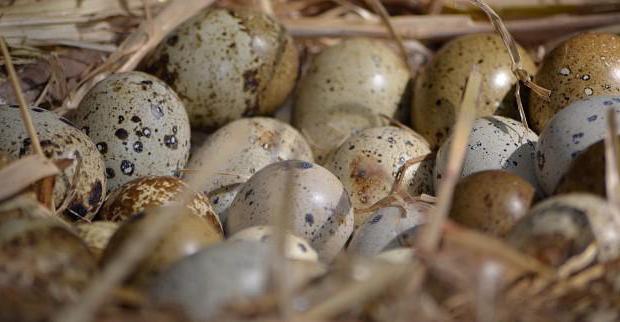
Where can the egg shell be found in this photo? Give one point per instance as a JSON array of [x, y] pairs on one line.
[[318, 205], [138, 124], [237, 150], [563, 226], [227, 63], [149, 192], [491, 201], [568, 133], [187, 235], [297, 248], [367, 164], [96, 234], [586, 173], [495, 143], [205, 283], [383, 226], [440, 86], [43, 256], [345, 89], [59, 140], [585, 65]]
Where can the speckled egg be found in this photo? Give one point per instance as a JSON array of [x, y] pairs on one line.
[[585, 65], [586, 173], [345, 89], [237, 150], [318, 204], [561, 227], [297, 248], [495, 143], [149, 192], [439, 88], [59, 140], [384, 225], [138, 124], [568, 133], [491, 201], [96, 234], [367, 164], [188, 235], [227, 63]]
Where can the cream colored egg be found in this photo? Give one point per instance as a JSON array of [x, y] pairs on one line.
[[297, 248]]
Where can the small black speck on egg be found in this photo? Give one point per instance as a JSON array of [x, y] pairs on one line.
[[121, 134], [127, 167]]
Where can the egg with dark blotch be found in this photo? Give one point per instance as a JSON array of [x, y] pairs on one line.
[[318, 205], [96, 234], [149, 192], [491, 201], [296, 247], [241, 148], [368, 162], [138, 124], [187, 235], [227, 63], [586, 173], [43, 257], [347, 88], [59, 140], [568, 133], [585, 65], [495, 143], [440, 86], [562, 227]]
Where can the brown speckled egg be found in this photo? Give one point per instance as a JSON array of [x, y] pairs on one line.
[[345, 89], [318, 204], [42, 256], [186, 236], [138, 124], [439, 88], [584, 65], [367, 164], [561, 227], [148, 192], [227, 63], [491, 201], [96, 234], [297, 248], [241, 148], [59, 140]]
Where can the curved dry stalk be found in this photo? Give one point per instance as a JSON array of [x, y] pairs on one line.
[[19, 174], [612, 161], [71, 191]]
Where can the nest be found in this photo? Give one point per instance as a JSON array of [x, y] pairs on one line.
[[61, 48]]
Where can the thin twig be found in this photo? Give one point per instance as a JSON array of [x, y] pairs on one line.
[[612, 161]]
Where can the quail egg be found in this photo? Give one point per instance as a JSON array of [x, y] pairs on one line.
[[367, 164], [568, 133], [186, 236], [495, 143], [227, 63], [59, 140], [243, 147], [148, 192], [585, 65], [297, 248], [491, 201], [138, 124], [96, 234], [586, 173], [561, 227], [440, 87], [318, 205], [345, 89]]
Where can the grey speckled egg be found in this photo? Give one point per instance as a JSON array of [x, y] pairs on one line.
[[138, 124], [243, 147], [227, 63], [495, 143], [385, 225], [367, 164], [561, 227], [568, 133], [297, 248], [345, 89], [59, 140], [318, 204]]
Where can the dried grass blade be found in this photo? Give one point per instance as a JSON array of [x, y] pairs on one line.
[[19, 174], [612, 161]]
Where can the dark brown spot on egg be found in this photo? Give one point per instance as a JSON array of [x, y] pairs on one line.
[[171, 142], [127, 167], [121, 134], [96, 192], [135, 119], [109, 173], [102, 147]]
